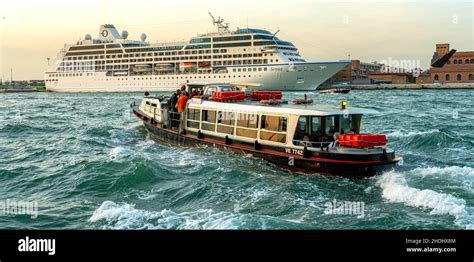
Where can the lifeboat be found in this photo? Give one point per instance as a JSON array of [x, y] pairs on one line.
[[266, 95], [362, 140], [187, 65], [142, 68], [228, 96], [164, 67], [204, 64]]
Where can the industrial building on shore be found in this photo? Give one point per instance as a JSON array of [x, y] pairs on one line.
[[458, 69]]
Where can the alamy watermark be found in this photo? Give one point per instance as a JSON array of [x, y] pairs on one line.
[[336, 207], [410, 66], [14, 208]]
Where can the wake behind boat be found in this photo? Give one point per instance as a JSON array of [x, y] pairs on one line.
[[300, 137]]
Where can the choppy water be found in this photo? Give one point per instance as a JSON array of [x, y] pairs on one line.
[[88, 163]]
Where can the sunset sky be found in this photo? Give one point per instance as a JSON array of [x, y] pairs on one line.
[[31, 31]]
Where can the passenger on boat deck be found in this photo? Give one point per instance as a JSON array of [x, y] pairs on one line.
[[174, 100], [300, 130], [336, 140], [172, 107], [182, 100], [306, 141], [195, 93]]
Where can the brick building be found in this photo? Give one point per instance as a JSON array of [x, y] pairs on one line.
[[392, 78], [356, 72], [459, 68]]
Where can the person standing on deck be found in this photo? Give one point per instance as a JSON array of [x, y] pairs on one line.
[[174, 100], [172, 109], [183, 99]]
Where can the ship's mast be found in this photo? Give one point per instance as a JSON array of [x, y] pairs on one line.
[[219, 22]]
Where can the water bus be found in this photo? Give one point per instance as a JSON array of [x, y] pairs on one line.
[[304, 137]]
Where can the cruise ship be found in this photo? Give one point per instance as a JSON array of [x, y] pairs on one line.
[[113, 63]]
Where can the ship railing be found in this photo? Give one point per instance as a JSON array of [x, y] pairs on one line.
[[315, 145], [175, 120]]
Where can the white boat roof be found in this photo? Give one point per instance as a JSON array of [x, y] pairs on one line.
[[290, 108]]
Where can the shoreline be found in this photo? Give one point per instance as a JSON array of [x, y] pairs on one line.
[[459, 86], [20, 89]]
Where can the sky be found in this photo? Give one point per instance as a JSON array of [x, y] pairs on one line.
[[368, 30]]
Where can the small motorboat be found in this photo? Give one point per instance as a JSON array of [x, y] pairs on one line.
[[335, 90], [303, 101]]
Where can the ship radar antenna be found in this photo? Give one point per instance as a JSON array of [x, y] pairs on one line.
[[221, 26], [276, 32]]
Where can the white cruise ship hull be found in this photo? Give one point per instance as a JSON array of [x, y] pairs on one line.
[[304, 76]]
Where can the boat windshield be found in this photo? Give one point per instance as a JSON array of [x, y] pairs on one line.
[[316, 131]]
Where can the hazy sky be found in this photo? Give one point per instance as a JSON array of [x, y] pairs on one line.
[[31, 31]]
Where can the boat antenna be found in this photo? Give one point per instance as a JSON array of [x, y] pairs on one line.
[[276, 32], [219, 22]]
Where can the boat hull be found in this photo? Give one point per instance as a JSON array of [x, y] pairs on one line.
[[275, 77]]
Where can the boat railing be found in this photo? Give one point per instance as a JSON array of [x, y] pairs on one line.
[[175, 120], [313, 144]]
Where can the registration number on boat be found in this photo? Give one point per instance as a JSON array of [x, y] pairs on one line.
[[294, 151]]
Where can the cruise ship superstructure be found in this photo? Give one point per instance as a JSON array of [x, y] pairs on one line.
[[112, 63]]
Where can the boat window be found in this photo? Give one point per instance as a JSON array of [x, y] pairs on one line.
[[208, 120], [193, 124], [350, 124], [308, 131], [247, 125], [301, 128], [330, 126], [247, 120], [193, 114], [225, 122], [273, 128], [316, 125], [346, 124], [226, 118], [274, 123]]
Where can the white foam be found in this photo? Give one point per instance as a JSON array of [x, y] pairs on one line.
[[126, 216], [400, 133], [135, 125], [395, 189], [466, 172], [119, 152]]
